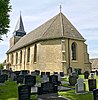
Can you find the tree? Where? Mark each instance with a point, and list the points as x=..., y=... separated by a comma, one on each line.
x=5, y=8
x=1, y=66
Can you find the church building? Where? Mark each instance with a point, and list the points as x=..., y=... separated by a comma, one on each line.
x=54, y=46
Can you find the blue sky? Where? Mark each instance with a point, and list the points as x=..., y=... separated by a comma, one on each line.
x=83, y=14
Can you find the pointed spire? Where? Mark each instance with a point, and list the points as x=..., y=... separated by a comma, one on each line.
x=19, y=25
x=19, y=29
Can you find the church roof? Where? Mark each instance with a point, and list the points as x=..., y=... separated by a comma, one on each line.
x=56, y=28
x=19, y=26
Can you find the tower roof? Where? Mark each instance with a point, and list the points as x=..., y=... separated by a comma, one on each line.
x=19, y=26
x=56, y=28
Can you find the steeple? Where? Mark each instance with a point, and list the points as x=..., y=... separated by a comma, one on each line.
x=19, y=29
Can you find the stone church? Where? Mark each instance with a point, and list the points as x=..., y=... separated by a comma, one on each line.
x=54, y=46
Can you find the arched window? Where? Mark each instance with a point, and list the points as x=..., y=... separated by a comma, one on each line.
x=28, y=55
x=21, y=56
x=16, y=57
x=74, y=50
x=35, y=53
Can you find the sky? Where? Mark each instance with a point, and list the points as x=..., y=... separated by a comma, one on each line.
x=83, y=14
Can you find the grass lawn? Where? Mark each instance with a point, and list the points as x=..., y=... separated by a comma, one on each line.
x=9, y=91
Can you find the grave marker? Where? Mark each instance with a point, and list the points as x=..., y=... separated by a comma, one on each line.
x=80, y=86
x=24, y=92
x=30, y=80
x=92, y=84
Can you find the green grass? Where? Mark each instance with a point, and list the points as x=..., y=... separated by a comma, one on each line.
x=9, y=91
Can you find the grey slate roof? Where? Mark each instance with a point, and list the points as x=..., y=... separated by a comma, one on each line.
x=50, y=30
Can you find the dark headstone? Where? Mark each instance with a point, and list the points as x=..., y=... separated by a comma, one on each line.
x=20, y=79
x=3, y=78
x=54, y=79
x=30, y=80
x=92, y=84
x=95, y=94
x=47, y=88
x=62, y=74
x=55, y=73
x=33, y=73
x=48, y=74
x=17, y=72
x=37, y=72
x=86, y=74
x=42, y=73
x=72, y=80
x=24, y=72
x=77, y=70
x=24, y=92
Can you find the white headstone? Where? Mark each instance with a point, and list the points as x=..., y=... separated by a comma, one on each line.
x=80, y=86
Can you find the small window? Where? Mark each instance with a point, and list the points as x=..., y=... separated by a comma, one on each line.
x=12, y=58
x=16, y=57
x=28, y=55
x=35, y=53
x=73, y=47
x=21, y=56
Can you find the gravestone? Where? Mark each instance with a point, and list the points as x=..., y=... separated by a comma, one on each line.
x=62, y=74
x=37, y=72
x=20, y=79
x=24, y=92
x=86, y=75
x=42, y=73
x=80, y=86
x=44, y=78
x=48, y=74
x=53, y=79
x=92, y=75
x=24, y=72
x=55, y=73
x=33, y=73
x=3, y=78
x=92, y=84
x=72, y=80
x=48, y=91
x=30, y=80
x=95, y=94
x=17, y=72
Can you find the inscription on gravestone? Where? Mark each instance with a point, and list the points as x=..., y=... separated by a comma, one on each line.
x=24, y=92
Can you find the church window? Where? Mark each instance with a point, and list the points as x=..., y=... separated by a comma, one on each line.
x=12, y=58
x=21, y=56
x=16, y=57
x=35, y=53
x=28, y=55
x=73, y=47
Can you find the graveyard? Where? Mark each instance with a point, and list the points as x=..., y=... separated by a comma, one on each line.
x=35, y=85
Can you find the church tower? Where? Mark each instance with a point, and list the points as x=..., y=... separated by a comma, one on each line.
x=18, y=32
